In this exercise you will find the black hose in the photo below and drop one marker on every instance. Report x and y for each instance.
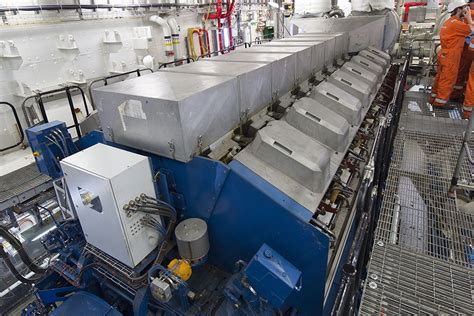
(13, 269)
(21, 251)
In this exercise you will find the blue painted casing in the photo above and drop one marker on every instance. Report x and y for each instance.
(243, 212)
(272, 276)
(48, 153)
(84, 303)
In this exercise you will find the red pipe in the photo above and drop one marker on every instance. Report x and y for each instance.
(218, 12)
(228, 14)
(408, 5)
(219, 34)
(208, 45)
(201, 43)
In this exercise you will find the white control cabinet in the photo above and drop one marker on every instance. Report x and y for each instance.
(101, 180)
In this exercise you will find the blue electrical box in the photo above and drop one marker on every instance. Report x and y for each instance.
(272, 276)
(50, 142)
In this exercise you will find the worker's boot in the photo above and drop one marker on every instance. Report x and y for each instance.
(466, 113)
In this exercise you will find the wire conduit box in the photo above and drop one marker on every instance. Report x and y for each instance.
(362, 74)
(101, 180)
(369, 65)
(382, 62)
(320, 123)
(254, 80)
(349, 83)
(170, 114)
(303, 54)
(339, 101)
(283, 67)
(322, 51)
(293, 153)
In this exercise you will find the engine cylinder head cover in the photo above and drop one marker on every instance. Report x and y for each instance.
(192, 239)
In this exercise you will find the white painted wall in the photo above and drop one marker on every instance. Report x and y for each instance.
(39, 38)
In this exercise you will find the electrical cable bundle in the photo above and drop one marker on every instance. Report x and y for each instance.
(25, 258)
(57, 138)
(150, 205)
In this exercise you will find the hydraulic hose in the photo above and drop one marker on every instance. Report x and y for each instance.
(13, 270)
(21, 251)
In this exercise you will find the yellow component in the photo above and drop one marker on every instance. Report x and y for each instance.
(36, 154)
(192, 50)
(181, 268)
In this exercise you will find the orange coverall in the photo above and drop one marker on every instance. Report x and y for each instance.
(452, 36)
(466, 59)
(469, 96)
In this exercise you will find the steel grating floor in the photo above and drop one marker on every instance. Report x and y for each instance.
(421, 262)
(21, 185)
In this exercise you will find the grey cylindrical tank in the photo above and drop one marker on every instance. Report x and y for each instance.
(192, 239)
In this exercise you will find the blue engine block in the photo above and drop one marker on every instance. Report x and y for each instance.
(248, 219)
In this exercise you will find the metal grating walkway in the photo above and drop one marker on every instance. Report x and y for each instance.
(21, 185)
(421, 258)
(401, 282)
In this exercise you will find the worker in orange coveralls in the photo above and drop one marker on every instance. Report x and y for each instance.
(452, 36)
(469, 96)
(466, 59)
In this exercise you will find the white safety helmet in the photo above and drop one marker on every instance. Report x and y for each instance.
(453, 5)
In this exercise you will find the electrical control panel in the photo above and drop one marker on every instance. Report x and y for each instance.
(101, 180)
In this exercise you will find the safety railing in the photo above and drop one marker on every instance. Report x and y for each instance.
(369, 201)
(464, 152)
(106, 79)
(19, 127)
(29, 111)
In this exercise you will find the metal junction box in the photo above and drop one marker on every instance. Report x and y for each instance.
(254, 80)
(101, 180)
(283, 68)
(170, 114)
(304, 66)
(293, 153)
(339, 101)
(272, 276)
(369, 65)
(322, 53)
(347, 82)
(363, 74)
(374, 58)
(320, 123)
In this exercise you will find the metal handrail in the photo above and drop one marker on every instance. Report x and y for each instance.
(20, 128)
(463, 152)
(38, 96)
(106, 78)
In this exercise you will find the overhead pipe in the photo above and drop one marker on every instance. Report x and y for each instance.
(58, 7)
(228, 16)
(217, 15)
(173, 25)
(167, 42)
